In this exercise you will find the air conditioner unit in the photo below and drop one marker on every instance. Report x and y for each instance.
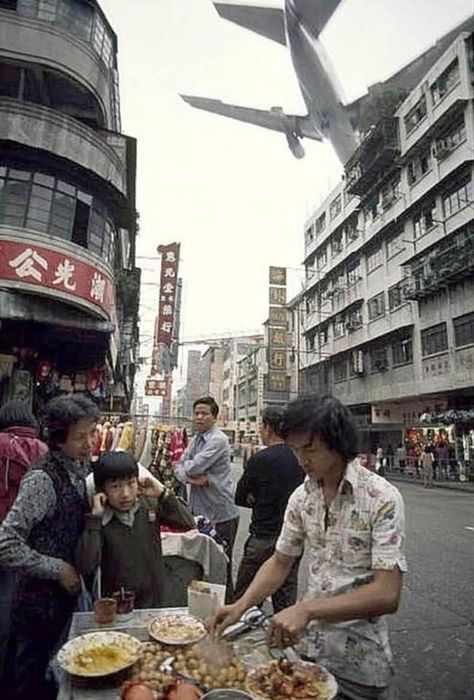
(381, 365)
(441, 149)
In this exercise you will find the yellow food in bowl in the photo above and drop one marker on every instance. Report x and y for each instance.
(104, 658)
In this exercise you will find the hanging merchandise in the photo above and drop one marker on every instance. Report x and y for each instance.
(107, 438)
(162, 465)
(65, 383)
(7, 363)
(127, 437)
(21, 387)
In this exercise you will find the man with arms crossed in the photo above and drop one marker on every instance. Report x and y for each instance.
(353, 523)
(206, 467)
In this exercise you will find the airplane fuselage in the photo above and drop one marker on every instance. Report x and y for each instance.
(318, 82)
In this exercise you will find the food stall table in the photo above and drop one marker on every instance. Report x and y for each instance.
(249, 647)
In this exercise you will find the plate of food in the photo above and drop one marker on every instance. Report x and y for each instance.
(287, 680)
(177, 629)
(99, 654)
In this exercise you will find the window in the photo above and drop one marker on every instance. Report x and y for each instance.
(43, 203)
(336, 244)
(324, 335)
(309, 235)
(447, 80)
(378, 358)
(335, 207)
(457, 199)
(8, 4)
(434, 339)
(424, 220)
(321, 258)
(358, 361)
(395, 244)
(353, 272)
(353, 321)
(320, 223)
(390, 193)
(396, 296)
(464, 330)
(340, 369)
(376, 306)
(448, 142)
(76, 17)
(350, 230)
(415, 115)
(338, 326)
(418, 167)
(402, 351)
(310, 342)
(374, 259)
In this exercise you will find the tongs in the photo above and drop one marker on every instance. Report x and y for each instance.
(255, 618)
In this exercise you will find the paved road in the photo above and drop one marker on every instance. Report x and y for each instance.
(432, 634)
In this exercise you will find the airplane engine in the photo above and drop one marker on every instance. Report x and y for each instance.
(295, 144)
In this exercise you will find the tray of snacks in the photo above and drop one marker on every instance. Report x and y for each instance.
(177, 629)
(287, 680)
(99, 654)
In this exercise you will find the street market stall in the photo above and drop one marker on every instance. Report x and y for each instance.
(244, 663)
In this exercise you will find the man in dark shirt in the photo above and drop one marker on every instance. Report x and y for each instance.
(269, 479)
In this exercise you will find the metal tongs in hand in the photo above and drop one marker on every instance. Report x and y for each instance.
(255, 618)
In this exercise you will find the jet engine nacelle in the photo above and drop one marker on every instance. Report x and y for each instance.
(295, 144)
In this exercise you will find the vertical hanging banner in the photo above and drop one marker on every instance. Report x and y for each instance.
(277, 380)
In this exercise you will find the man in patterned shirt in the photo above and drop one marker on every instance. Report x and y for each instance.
(352, 522)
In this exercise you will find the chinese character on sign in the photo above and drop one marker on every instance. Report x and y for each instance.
(64, 273)
(24, 264)
(277, 338)
(277, 316)
(169, 272)
(278, 276)
(167, 310)
(168, 288)
(170, 257)
(166, 327)
(277, 359)
(278, 295)
(277, 381)
(97, 287)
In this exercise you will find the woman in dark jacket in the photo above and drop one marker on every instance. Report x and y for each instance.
(19, 449)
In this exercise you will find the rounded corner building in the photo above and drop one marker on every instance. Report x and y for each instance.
(69, 287)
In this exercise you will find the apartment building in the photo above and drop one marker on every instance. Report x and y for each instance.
(389, 258)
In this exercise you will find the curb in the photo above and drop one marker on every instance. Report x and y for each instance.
(466, 487)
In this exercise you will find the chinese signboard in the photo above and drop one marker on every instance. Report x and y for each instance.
(55, 273)
(277, 381)
(168, 292)
(156, 387)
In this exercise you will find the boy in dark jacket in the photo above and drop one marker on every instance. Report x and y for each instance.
(122, 533)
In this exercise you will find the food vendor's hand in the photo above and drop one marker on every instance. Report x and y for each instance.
(224, 617)
(287, 625)
(98, 505)
(69, 579)
(149, 488)
(200, 480)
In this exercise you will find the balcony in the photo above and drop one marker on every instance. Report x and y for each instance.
(376, 154)
(443, 266)
(103, 153)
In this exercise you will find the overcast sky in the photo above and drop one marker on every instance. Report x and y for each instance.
(232, 193)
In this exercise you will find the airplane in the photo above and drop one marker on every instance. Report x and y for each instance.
(298, 25)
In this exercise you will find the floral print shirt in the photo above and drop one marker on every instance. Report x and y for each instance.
(363, 530)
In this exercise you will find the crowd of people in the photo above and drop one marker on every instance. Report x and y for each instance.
(66, 520)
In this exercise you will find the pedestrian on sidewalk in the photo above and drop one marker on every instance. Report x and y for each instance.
(38, 540)
(427, 460)
(352, 522)
(20, 447)
(205, 466)
(268, 481)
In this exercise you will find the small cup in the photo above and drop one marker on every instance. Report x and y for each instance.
(125, 603)
(105, 610)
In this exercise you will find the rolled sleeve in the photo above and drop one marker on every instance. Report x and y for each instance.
(36, 500)
(388, 533)
(291, 539)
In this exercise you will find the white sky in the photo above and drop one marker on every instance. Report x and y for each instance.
(232, 193)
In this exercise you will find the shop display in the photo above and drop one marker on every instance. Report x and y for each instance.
(167, 446)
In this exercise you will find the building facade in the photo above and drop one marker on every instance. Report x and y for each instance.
(69, 288)
(389, 257)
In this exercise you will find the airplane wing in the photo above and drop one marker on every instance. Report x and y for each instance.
(267, 21)
(274, 119)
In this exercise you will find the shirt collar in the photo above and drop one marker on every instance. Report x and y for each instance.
(206, 434)
(347, 486)
(127, 518)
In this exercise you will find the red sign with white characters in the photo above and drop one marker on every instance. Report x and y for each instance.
(168, 288)
(58, 274)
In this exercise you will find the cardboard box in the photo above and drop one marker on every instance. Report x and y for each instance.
(203, 604)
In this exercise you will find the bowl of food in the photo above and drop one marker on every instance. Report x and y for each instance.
(99, 654)
(286, 680)
(177, 629)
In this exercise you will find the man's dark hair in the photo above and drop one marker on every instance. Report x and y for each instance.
(63, 412)
(208, 401)
(324, 417)
(114, 465)
(272, 416)
(16, 412)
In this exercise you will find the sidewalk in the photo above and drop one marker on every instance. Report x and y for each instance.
(466, 486)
